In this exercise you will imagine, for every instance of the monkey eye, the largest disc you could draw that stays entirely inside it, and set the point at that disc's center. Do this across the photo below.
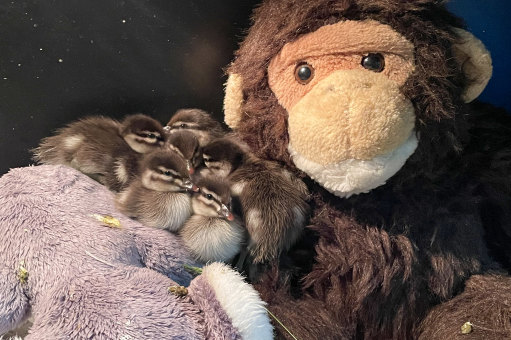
(373, 62)
(304, 73)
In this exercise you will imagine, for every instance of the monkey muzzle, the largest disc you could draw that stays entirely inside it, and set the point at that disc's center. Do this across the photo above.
(352, 131)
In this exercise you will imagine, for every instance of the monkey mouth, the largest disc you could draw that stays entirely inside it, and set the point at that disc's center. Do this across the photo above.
(353, 176)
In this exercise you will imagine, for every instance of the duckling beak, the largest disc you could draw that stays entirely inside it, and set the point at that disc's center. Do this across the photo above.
(190, 168)
(188, 185)
(226, 213)
(166, 129)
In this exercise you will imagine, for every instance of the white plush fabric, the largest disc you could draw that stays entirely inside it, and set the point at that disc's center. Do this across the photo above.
(241, 302)
(355, 176)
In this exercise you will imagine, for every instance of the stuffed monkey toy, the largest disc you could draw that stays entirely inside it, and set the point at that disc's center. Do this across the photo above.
(368, 101)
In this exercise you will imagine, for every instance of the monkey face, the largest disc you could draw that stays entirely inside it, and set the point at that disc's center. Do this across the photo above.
(340, 99)
(350, 127)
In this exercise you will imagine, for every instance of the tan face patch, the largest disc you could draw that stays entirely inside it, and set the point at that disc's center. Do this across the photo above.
(345, 111)
(340, 46)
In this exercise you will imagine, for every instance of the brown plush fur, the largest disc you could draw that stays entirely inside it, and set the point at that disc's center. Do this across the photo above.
(373, 265)
(474, 307)
(435, 91)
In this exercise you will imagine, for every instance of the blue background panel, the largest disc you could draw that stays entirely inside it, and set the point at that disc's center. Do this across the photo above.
(490, 21)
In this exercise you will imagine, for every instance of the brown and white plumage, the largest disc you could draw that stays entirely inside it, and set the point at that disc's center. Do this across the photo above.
(102, 148)
(158, 197)
(187, 145)
(142, 133)
(273, 201)
(205, 127)
(212, 233)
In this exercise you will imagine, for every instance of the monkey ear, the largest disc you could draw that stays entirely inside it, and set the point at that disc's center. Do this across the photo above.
(233, 100)
(475, 62)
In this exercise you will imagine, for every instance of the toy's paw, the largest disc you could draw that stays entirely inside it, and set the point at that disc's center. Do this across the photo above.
(481, 311)
(232, 308)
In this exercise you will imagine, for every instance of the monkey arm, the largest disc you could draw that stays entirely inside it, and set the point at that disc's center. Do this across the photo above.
(483, 309)
(375, 283)
(359, 275)
(304, 318)
(363, 272)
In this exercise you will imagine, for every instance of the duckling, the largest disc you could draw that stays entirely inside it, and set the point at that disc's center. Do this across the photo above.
(187, 145)
(273, 201)
(103, 148)
(212, 233)
(158, 197)
(142, 133)
(205, 127)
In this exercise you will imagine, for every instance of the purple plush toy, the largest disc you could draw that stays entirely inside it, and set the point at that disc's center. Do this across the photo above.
(82, 270)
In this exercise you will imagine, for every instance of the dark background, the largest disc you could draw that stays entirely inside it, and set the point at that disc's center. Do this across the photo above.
(64, 59)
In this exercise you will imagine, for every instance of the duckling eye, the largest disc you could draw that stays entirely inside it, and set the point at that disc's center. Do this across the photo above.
(304, 73)
(209, 196)
(373, 62)
(183, 126)
(167, 173)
